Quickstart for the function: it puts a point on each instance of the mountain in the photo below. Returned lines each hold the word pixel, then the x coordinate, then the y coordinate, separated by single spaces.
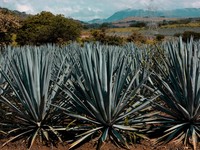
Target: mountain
pixel 176 13
pixel 98 21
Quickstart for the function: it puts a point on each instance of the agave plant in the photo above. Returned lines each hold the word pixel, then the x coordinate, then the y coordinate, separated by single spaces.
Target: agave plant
pixel 28 108
pixel 4 88
pixel 104 92
pixel 178 82
pixel 4 63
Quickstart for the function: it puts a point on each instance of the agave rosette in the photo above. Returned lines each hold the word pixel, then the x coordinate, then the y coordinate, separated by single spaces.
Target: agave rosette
pixel 104 92
pixel 27 107
pixel 178 82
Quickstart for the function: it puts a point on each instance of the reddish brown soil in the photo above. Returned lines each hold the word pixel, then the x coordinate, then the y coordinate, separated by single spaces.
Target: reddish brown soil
pixel 144 145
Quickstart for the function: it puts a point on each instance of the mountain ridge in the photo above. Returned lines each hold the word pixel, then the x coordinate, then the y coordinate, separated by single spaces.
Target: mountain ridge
pixel 21 15
pixel 175 13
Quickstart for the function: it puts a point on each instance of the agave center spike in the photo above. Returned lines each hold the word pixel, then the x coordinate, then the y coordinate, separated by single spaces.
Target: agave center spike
pixel 39 124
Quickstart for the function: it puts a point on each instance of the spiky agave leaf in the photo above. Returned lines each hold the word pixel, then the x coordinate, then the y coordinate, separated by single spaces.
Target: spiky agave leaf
pixel 179 85
pixel 29 109
pixel 5 56
pixel 106 92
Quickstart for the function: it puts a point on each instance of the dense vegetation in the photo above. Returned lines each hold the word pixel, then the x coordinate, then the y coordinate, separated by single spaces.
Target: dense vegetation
pixel 117 93
pixel 47 28
pixel 38 29
pixel 9 24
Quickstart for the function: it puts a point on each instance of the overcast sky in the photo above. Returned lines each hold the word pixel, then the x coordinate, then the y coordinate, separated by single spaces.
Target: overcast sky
pixel 90 9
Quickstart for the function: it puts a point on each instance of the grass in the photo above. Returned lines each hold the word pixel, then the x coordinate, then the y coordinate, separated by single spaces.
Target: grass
pixel 191 24
pixel 114 31
pixel 127 29
pixel 166 30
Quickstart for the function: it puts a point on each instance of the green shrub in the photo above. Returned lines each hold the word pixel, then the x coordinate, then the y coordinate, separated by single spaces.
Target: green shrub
pixel 48 28
pixel 138 24
pixel 160 37
pixel 188 34
pixel 101 37
pixel 136 37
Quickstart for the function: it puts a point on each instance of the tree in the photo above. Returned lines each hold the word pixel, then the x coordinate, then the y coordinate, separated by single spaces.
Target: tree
pixel 103 38
pixel 46 27
pixel 137 38
pixel 9 23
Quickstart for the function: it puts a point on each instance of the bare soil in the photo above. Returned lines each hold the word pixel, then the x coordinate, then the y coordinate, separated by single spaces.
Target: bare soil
pixel 91 145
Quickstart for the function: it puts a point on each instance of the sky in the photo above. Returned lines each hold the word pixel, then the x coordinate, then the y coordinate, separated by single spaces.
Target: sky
pixel 86 10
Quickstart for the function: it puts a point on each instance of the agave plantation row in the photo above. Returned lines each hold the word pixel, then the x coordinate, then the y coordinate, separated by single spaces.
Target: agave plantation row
pixel 73 93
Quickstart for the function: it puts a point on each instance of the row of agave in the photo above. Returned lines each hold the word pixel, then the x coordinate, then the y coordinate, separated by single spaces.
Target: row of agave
pixel 78 92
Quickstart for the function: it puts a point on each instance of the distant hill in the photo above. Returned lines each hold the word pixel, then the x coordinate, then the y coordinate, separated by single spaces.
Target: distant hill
pixel 21 15
pixel 97 21
pixel 176 13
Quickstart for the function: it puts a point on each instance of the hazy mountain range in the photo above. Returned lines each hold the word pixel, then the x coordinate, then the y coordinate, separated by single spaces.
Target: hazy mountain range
pixel 176 13
pixel 121 15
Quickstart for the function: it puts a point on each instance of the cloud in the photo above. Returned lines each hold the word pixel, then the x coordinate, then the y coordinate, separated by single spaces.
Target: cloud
pixel 5 1
pixel 196 4
pixel 90 9
pixel 63 10
pixel 25 8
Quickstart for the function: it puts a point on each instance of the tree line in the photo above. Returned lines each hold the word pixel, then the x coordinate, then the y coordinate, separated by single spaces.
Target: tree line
pixel 38 29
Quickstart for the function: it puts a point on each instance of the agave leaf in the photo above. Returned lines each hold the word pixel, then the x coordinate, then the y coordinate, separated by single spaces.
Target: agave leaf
pixel 83 118
pixel 186 136
pixel 14 130
pixel 76 116
pixel 165 110
pixel 102 138
pixel 33 139
pixel 125 93
pixel 45 133
pixel 126 128
pixel 55 133
pixel 169 136
pixel 77 100
pixel 142 136
pixel 119 137
pixel 194 139
pixel 86 135
pixel 3 132
pixel 143 105
pixel 6 101
pixel 175 127
pixel 17 136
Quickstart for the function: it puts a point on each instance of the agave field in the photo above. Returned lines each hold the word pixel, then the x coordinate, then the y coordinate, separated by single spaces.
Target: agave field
pixel 76 93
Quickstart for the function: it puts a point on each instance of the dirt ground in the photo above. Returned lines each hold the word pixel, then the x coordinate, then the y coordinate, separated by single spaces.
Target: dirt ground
pixel 144 145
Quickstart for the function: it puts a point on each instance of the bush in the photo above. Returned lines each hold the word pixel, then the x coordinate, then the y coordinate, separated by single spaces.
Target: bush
pixel 106 39
pixel 5 38
pixel 9 24
pixel 188 34
pixel 48 28
pixel 138 24
pixel 159 37
pixel 136 37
